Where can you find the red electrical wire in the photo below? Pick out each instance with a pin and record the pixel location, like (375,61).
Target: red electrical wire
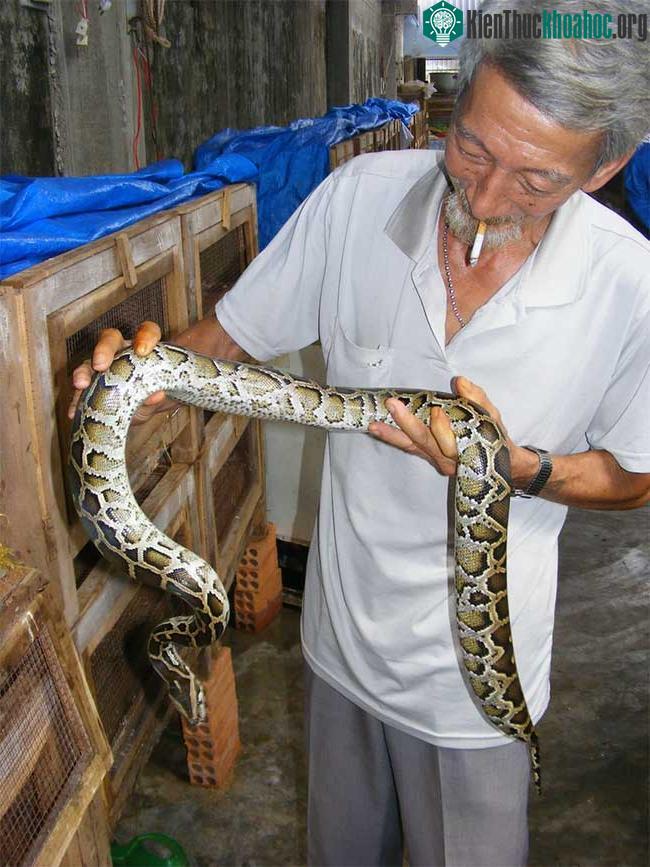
(147,74)
(136,138)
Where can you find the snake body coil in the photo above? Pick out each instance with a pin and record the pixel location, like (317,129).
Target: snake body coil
(123,533)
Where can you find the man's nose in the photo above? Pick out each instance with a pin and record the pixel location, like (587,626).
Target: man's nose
(488,197)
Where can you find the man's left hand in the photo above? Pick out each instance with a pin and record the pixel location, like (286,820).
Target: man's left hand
(437,443)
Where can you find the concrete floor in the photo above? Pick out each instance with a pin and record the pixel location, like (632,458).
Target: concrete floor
(594,737)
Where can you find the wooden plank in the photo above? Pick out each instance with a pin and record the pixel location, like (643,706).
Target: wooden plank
(32,524)
(225,209)
(125,256)
(206,226)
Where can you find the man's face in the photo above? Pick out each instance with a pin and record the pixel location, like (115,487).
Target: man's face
(510,165)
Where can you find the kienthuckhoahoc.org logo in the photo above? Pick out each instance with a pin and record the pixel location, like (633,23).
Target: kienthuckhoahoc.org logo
(443,23)
(551,24)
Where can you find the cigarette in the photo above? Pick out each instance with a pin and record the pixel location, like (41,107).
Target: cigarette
(478,243)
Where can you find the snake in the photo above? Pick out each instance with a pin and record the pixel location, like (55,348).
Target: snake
(123,534)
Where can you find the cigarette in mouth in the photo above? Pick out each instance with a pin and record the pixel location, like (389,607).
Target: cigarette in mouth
(478,243)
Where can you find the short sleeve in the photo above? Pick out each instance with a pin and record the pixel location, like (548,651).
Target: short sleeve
(621,424)
(273,308)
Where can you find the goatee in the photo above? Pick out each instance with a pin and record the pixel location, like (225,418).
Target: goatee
(458,215)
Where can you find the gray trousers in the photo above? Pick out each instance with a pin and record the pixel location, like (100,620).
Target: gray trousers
(374,790)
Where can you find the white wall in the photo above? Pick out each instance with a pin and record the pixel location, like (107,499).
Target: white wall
(294,459)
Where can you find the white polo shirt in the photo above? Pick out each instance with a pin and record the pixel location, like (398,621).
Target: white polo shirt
(562,349)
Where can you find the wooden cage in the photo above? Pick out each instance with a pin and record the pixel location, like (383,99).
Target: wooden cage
(231,481)
(383,138)
(420,130)
(50,317)
(219,234)
(340,153)
(219,241)
(113,634)
(198,476)
(364,143)
(53,752)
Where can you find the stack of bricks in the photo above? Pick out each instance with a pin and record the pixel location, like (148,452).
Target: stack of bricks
(213,745)
(258,587)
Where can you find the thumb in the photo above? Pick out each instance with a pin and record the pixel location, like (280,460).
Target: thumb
(467,389)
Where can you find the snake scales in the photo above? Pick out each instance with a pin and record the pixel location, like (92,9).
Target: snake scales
(122,532)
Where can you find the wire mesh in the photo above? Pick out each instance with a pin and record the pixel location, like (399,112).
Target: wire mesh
(44,750)
(233,482)
(156,475)
(221,265)
(150,302)
(120,666)
(84,563)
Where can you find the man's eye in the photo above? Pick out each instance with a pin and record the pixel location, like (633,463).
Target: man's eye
(469,154)
(534,191)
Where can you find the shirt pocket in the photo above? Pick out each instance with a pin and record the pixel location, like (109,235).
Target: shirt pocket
(353,366)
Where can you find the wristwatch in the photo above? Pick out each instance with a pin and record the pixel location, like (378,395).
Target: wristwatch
(542,477)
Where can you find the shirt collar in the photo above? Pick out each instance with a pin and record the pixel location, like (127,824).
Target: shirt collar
(558,273)
(412,224)
(560,269)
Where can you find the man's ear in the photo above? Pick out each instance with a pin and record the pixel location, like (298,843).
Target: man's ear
(606,172)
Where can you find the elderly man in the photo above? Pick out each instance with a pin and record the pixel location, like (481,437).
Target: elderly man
(552,322)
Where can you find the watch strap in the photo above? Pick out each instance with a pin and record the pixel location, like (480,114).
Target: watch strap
(542,477)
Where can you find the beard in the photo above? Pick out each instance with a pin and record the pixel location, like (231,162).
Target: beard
(458,215)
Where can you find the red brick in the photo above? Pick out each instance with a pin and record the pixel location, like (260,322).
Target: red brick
(248,599)
(261,549)
(213,745)
(258,620)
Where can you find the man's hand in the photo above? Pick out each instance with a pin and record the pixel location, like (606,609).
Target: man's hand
(437,443)
(109,344)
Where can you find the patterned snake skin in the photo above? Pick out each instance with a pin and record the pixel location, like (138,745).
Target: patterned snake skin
(123,533)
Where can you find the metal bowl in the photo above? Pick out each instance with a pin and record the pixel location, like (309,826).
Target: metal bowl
(446,82)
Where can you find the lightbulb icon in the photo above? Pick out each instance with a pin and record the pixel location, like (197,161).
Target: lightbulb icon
(442,22)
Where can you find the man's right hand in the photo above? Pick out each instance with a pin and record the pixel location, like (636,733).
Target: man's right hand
(109,344)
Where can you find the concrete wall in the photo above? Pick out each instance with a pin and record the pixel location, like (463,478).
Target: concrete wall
(72,110)
(26,141)
(242,64)
(363,50)
(92,90)
(65,109)
(365,23)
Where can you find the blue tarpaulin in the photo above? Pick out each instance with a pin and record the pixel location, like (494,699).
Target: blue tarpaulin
(42,217)
(293,160)
(637,184)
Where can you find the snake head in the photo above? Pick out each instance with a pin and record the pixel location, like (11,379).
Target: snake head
(188,697)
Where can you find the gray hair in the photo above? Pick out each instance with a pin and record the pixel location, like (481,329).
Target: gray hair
(589,85)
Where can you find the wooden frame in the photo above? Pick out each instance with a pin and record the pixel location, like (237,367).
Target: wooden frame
(40,309)
(225,550)
(380,138)
(386,137)
(364,143)
(173,507)
(340,153)
(420,130)
(208,220)
(29,613)
(91,845)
